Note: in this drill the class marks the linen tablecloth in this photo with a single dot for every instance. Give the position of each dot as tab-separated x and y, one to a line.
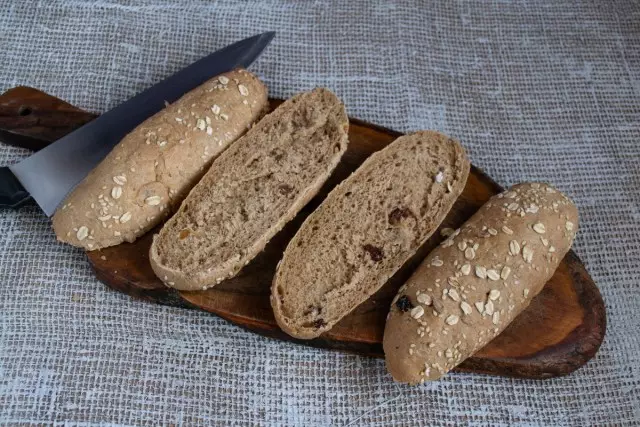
535	91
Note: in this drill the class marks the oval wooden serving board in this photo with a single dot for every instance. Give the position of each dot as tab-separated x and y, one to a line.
559	332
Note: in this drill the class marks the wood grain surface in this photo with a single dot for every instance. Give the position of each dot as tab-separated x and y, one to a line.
559	332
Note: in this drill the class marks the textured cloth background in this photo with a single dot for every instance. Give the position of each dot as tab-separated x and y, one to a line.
535	90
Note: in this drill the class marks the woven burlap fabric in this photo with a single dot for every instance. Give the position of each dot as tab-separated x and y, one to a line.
535	90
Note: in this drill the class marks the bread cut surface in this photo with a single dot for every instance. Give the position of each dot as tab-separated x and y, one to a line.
365	230
251	191
154	167
477	281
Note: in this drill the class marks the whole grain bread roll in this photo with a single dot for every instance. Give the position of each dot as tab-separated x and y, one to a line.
155	165
365	230
251	191
477	281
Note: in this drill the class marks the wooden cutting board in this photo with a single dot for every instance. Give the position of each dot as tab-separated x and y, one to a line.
559	332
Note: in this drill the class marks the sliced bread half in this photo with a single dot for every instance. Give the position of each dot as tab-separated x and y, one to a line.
365	230
251	191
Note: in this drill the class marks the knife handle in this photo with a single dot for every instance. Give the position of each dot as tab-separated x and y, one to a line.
12	193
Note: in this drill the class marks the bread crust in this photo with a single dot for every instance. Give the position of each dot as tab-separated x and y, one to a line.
365	230
251	191
153	168
477	281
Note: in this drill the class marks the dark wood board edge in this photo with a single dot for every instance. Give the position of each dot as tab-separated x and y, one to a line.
32	119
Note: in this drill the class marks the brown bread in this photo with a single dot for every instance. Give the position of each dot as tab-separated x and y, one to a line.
477	281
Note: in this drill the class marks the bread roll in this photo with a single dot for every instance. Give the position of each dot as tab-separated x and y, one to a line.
365	229
477	281
251	191
155	165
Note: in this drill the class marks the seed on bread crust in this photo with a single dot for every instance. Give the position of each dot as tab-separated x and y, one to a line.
493	275
116	192
153	200
470	253
424	299
514	248
539	228
466	308
120	180
417	312
452	320
82	233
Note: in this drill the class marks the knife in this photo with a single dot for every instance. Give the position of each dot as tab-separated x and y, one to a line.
50	174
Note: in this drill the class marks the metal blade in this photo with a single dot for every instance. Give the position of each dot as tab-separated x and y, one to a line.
50	174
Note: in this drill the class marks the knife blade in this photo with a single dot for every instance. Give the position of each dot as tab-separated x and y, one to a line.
50	174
